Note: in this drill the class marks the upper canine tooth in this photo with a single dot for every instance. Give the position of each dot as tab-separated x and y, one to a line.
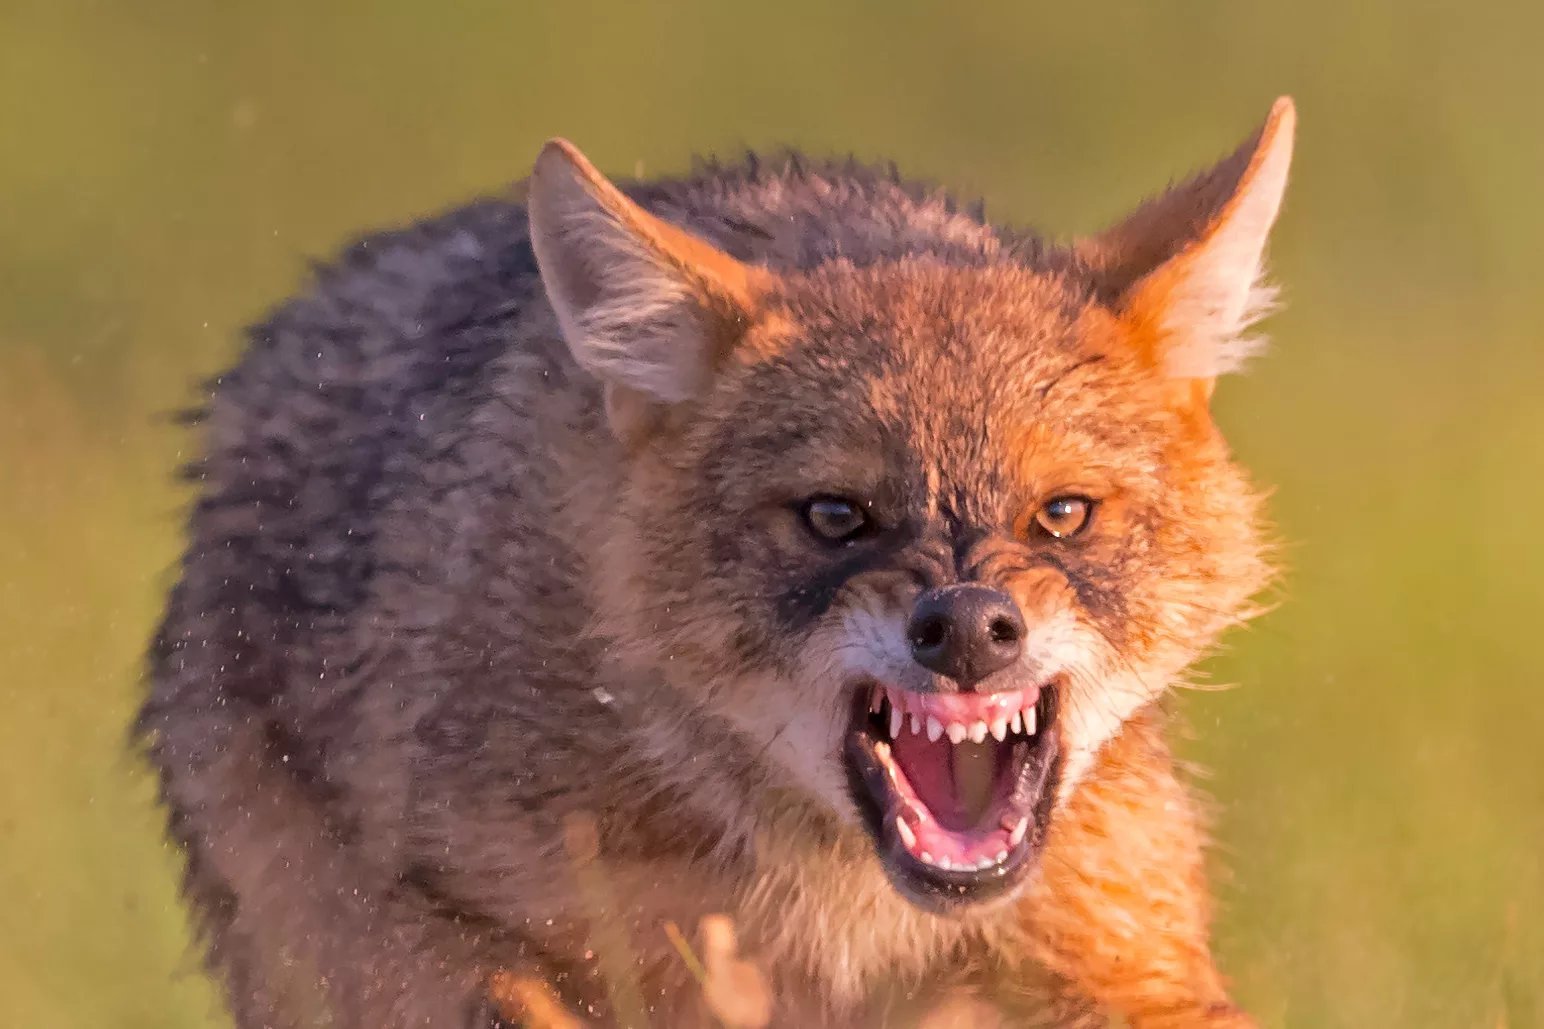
957	733
1017	836
876	700
935	729
1029	721
897	718
1000	728
978	732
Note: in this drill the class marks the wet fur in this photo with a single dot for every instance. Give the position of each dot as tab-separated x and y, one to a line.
429	604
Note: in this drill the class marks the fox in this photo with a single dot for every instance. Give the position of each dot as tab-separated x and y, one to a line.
783	542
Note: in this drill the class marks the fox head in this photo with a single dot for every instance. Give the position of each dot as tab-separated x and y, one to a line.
927	530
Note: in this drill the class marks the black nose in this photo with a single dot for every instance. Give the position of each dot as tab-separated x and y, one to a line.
966	632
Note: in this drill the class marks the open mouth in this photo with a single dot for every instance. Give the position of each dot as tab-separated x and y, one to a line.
955	788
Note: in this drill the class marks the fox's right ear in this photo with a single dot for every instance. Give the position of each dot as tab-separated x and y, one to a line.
648	308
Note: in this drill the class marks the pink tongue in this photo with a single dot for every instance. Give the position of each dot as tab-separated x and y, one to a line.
930	770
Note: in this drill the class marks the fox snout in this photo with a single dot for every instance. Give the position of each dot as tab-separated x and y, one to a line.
965	633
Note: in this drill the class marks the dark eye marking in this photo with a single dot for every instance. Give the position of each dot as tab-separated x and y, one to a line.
809	589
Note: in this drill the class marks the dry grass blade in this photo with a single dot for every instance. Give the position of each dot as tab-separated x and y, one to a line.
735	990
530	1003
581	839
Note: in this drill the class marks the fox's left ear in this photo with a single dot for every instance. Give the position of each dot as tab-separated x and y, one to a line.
645	306
1185	269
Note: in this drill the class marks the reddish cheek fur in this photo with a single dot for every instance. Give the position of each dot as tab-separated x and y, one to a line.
1214	537
1184	534
1188	554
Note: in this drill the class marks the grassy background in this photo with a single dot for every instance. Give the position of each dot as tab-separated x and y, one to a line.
166	169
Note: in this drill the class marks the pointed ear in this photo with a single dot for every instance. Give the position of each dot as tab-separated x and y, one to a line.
1186	268
646	307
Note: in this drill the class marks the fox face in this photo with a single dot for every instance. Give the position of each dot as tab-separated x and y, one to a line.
922	532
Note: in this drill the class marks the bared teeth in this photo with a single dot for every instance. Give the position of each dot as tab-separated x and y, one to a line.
1017	835
907	836
910	710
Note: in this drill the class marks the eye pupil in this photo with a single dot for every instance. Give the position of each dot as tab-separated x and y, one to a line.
834	519
1064	517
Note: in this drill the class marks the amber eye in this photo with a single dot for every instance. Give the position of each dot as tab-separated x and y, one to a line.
835	519
1065	517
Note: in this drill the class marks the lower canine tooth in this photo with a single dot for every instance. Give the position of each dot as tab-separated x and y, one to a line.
907	836
1017	836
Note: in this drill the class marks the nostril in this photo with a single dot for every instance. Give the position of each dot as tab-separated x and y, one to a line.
1003	630
929	633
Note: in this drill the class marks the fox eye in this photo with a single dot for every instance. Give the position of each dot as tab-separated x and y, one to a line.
1064	517
835	519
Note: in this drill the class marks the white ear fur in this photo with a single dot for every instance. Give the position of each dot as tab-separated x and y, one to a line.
643	305
1189	266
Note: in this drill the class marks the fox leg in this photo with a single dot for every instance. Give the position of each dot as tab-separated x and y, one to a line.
1121	913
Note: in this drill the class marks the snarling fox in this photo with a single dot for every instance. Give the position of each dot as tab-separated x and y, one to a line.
825	549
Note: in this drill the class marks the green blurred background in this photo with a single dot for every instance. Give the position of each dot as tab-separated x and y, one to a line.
167	169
